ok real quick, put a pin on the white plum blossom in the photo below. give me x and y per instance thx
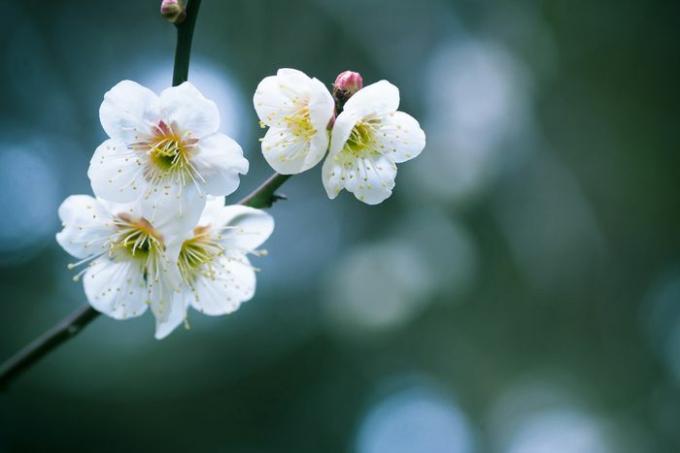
(131, 259)
(368, 139)
(297, 110)
(165, 150)
(217, 276)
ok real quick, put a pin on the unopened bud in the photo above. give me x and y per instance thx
(349, 81)
(173, 10)
(346, 84)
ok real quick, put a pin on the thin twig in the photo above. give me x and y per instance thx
(265, 196)
(185, 34)
(34, 351)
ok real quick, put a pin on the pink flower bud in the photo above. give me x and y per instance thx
(173, 10)
(346, 84)
(349, 81)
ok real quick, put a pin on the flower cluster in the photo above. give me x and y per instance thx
(358, 129)
(157, 233)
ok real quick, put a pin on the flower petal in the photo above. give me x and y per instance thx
(219, 162)
(370, 179)
(376, 99)
(294, 82)
(116, 288)
(232, 282)
(116, 172)
(332, 175)
(128, 112)
(342, 128)
(87, 226)
(288, 154)
(165, 298)
(321, 105)
(173, 210)
(185, 107)
(272, 103)
(243, 228)
(212, 212)
(170, 316)
(400, 137)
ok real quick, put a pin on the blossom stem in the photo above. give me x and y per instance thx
(34, 351)
(265, 196)
(185, 33)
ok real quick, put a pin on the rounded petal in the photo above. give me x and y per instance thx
(376, 99)
(117, 172)
(371, 180)
(332, 176)
(294, 81)
(321, 105)
(219, 162)
(288, 154)
(232, 282)
(169, 317)
(272, 103)
(400, 137)
(342, 128)
(173, 210)
(164, 296)
(185, 107)
(116, 288)
(374, 179)
(211, 214)
(243, 228)
(132, 208)
(128, 112)
(87, 226)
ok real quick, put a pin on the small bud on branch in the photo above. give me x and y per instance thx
(173, 10)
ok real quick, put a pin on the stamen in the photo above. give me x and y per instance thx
(300, 123)
(170, 154)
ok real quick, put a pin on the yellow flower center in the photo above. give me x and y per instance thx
(197, 255)
(137, 238)
(300, 123)
(169, 154)
(361, 140)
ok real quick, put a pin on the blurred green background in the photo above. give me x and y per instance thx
(519, 293)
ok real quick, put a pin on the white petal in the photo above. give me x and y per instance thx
(371, 180)
(164, 296)
(321, 105)
(87, 226)
(376, 99)
(173, 210)
(400, 137)
(132, 208)
(244, 228)
(342, 128)
(219, 162)
(233, 282)
(128, 112)
(167, 321)
(116, 288)
(288, 154)
(331, 175)
(272, 103)
(293, 81)
(116, 172)
(212, 212)
(185, 107)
